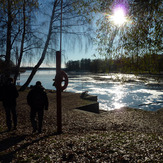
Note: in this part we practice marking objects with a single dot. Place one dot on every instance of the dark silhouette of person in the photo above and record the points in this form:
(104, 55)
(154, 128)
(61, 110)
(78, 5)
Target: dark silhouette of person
(38, 101)
(10, 94)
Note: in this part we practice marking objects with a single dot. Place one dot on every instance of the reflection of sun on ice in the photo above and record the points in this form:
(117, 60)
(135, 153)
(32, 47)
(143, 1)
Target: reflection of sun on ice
(117, 101)
(118, 105)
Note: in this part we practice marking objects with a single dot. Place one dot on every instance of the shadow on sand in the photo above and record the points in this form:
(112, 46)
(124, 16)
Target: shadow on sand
(6, 157)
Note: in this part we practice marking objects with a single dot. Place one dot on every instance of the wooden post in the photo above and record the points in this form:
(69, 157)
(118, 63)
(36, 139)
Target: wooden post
(59, 108)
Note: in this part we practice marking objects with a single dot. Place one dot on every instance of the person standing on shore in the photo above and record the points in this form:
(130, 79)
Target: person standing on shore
(38, 101)
(9, 95)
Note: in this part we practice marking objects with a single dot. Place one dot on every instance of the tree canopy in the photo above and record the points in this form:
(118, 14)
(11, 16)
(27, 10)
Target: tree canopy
(141, 35)
(31, 27)
(24, 33)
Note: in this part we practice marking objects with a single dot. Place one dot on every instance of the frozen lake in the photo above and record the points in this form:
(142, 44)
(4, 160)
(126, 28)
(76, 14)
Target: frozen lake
(113, 90)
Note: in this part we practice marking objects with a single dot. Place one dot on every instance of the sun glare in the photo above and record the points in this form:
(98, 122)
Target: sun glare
(118, 16)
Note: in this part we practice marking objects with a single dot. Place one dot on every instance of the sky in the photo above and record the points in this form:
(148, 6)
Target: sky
(74, 52)
(86, 48)
(73, 48)
(78, 54)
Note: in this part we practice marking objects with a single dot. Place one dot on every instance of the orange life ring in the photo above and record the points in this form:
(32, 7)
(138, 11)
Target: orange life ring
(59, 79)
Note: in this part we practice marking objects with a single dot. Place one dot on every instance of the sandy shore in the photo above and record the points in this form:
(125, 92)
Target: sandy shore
(122, 135)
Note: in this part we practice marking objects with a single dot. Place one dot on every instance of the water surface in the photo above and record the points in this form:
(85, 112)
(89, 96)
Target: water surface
(113, 90)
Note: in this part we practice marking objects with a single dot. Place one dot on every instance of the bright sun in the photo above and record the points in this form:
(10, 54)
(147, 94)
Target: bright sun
(118, 16)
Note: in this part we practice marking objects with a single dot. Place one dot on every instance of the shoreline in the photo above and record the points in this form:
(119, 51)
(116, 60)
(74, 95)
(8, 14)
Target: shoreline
(84, 83)
(86, 102)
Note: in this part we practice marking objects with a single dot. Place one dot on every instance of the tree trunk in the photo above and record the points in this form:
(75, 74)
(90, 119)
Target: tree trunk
(34, 70)
(22, 43)
(8, 45)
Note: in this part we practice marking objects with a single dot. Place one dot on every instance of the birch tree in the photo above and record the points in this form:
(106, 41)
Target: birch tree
(15, 18)
(76, 16)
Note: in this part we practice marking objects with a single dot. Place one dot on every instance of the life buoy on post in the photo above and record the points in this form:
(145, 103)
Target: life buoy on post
(61, 78)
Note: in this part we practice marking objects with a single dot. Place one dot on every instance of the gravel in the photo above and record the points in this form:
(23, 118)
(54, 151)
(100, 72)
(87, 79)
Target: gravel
(122, 135)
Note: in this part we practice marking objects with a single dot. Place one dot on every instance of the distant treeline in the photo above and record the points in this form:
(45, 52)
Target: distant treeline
(145, 64)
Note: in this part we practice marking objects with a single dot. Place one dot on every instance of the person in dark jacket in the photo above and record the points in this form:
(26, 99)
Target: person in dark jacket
(10, 94)
(38, 101)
